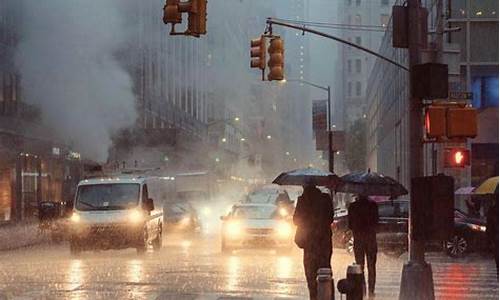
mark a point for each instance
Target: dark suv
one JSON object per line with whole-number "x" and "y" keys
{"x": 392, "y": 231}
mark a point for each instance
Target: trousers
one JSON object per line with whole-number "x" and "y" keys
{"x": 318, "y": 255}
{"x": 367, "y": 247}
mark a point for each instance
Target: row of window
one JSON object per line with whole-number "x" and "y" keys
{"x": 357, "y": 64}
{"x": 358, "y": 2}
{"x": 358, "y": 88}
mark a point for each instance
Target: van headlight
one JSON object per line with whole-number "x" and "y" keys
{"x": 135, "y": 216}
{"x": 233, "y": 229}
{"x": 75, "y": 218}
{"x": 284, "y": 230}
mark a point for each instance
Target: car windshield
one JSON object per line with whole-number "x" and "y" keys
{"x": 107, "y": 196}
{"x": 254, "y": 212}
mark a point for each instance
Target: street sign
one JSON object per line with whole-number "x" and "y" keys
{"x": 460, "y": 95}
{"x": 319, "y": 111}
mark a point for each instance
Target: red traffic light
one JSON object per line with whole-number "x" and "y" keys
{"x": 456, "y": 157}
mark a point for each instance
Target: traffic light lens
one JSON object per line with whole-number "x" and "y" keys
{"x": 459, "y": 157}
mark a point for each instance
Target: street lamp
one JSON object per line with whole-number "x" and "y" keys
{"x": 329, "y": 121}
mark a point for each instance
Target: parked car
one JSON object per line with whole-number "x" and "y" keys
{"x": 392, "y": 231}
{"x": 252, "y": 225}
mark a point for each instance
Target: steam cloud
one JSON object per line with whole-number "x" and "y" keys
{"x": 68, "y": 67}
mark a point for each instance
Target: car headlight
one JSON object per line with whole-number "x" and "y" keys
{"x": 135, "y": 216}
{"x": 75, "y": 218}
{"x": 283, "y": 212}
{"x": 284, "y": 230}
{"x": 233, "y": 229}
{"x": 477, "y": 227}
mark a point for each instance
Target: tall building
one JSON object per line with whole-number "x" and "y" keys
{"x": 388, "y": 107}
{"x": 367, "y": 20}
{"x": 170, "y": 82}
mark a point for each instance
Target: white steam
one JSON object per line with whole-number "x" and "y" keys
{"x": 68, "y": 68}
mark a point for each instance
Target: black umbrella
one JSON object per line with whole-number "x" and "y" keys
{"x": 370, "y": 183}
{"x": 307, "y": 176}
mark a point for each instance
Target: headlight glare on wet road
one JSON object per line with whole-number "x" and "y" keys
{"x": 284, "y": 230}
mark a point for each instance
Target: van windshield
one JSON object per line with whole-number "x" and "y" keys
{"x": 107, "y": 196}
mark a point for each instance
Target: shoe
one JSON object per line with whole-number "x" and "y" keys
{"x": 371, "y": 295}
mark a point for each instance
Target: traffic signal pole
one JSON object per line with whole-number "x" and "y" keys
{"x": 416, "y": 280}
{"x": 330, "y": 133}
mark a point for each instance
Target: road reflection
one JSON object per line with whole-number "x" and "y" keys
{"x": 135, "y": 276}
{"x": 75, "y": 277}
{"x": 233, "y": 267}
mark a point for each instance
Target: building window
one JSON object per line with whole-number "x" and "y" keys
{"x": 358, "y": 65}
{"x": 358, "y": 2}
{"x": 358, "y": 40}
{"x": 485, "y": 91}
{"x": 349, "y": 89}
{"x": 349, "y": 66}
{"x": 349, "y": 2}
{"x": 385, "y": 2}
{"x": 384, "y": 20}
{"x": 357, "y": 19}
{"x": 358, "y": 88}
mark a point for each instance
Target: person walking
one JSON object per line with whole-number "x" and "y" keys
{"x": 362, "y": 220}
{"x": 313, "y": 217}
{"x": 492, "y": 228}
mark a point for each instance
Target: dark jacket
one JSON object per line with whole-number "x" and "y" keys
{"x": 492, "y": 224}
{"x": 363, "y": 218}
{"x": 314, "y": 215}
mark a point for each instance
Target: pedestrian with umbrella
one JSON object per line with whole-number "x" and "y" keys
{"x": 489, "y": 188}
{"x": 313, "y": 217}
{"x": 363, "y": 216}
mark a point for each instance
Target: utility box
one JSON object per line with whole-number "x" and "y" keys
{"x": 401, "y": 30}
{"x": 429, "y": 81}
{"x": 461, "y": 122}
{"x": 432, "y": 207}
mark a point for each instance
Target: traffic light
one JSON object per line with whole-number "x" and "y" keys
{"x": 435, "y": 121}
{"x": 258, "y": 53}
{"x": 456, "y": 157}
{"x": 276, "y": 59}
{"x": 197, "y": 16}
{"x": 461, "y": 122}
{"x": 171, "y": 13}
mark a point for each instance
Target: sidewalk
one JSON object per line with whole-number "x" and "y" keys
{"x": 20, "y": 235}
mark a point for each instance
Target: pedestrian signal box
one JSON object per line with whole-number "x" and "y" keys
{"x": 461, "y": 122}
{"x": 456, "y": 157}
{"x": 435, "y": 121}
{"x": 432, "y": 208}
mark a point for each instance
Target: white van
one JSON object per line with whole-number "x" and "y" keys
{"x": 117, "y": 213}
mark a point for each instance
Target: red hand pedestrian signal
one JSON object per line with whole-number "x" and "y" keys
{"x": 456, "y": 157}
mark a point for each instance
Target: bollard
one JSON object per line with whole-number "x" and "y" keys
{"x": 356, "y": 278}
{"x": 325, "y": 284}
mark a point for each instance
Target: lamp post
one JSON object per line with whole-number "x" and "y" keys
{"x": 329, "y": 120}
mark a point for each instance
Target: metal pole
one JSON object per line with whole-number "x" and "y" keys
{"x": 330, "y": 145}
{"x": 416, "y": 279}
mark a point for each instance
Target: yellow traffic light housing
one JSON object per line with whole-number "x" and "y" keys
{"x": 461, "y": 122}
{"x": 258, "y": 53}
{"x": 197, "y": 16}
{"x": 276, "y": 59}
{"x": 171, "y": 13}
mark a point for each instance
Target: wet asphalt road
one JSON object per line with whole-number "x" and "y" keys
{"x": 192, "y": 267}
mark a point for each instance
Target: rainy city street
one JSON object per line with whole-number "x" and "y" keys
{"x": 194, "y": 268}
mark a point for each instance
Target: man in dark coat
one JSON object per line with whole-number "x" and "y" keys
{"x": 363, "y": 220}
{"x": 313, "y": 217}
{"x": 492, "y": 228}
